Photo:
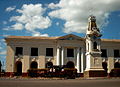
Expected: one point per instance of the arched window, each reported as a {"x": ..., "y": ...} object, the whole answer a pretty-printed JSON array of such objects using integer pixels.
[
  {"x": 18, "y": 66},
  {"x": 49, "y": 65},
  {"x": 95, "y": 45},
  {"x": 70, "y": 64},
  {"x": 117, "y": 65},
  {"x": 34, "y": 65}
]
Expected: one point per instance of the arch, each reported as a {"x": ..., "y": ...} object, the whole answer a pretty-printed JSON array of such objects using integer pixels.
[
  {"x": 70, "y": 64},
  {"x": 49, "y": 65},
  {"x": 104, "y": 65},
  {"x": 34, "y": 65},
  {"x": 95, "y": 45},
  {"x": 117, "y": 65},
  {"x": 18, "y": 66}
]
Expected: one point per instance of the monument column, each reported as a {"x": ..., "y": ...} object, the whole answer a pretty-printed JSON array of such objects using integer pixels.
[
  {"x": 78, "y": 60},
  {"x": 93, "y": 54}
]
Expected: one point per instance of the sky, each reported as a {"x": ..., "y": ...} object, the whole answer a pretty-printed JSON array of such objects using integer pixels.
[{"x": 51, "y": 18}]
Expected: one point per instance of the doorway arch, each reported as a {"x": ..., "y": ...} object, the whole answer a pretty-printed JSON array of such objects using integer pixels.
[
  {"x": 104, "y": 65},
  {"x": 18, "y": 66},
  {"x": 117, "y": 65},
  {"x": 70, "y": 64},
  {"x": 49, "y": 65},
  {"x": 34, "y": 65}
]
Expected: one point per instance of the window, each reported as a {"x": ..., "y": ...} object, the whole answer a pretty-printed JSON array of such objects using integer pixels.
[
  {"x": 70, "y": 52},
  {"x": 34, "y": 51},
  {"x": 104, "y": 53},
  {"x": 19, "y": 51},
  {"x": 49, "y": 51},
  {"x": 116, "y": 53},
  {"x": 95, "y": 45}
]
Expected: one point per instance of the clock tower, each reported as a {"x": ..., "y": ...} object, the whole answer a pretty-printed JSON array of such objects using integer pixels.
[{"x": 93, "y": 50}]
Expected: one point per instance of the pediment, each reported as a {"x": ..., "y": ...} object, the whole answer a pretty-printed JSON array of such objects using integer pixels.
[{"x": 70, "y": 37}]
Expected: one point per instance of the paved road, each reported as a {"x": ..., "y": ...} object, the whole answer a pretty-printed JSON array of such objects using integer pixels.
[{"x": 60, "y": 83}]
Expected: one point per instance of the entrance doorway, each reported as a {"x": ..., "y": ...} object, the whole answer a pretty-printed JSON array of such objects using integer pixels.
[
  {"x": 70, "y": 64},
  {"x": 34, "y": 65},
  {"x": 49, "y": 65},
  {"x": 18, "y": 68}
]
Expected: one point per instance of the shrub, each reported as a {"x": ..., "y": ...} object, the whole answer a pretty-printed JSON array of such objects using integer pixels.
[{"x": 115, "y": 72}]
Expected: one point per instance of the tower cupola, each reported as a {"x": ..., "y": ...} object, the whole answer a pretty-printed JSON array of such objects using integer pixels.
[{"x": 92, "y": 27}]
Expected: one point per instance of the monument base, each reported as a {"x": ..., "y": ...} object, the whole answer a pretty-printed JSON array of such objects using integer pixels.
[{"x": 95, "y": 73}]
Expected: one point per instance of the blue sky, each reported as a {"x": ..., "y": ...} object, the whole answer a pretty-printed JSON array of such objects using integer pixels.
[{"x": 56, "y": 18}]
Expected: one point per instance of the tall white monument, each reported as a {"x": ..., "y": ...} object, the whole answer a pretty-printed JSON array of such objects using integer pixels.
[{"x": 93, "y": 50}]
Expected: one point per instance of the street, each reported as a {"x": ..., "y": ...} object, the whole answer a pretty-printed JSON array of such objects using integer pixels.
[{"x": 60, "y": 83}]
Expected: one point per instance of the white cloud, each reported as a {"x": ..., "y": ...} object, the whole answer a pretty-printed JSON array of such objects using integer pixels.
[
  {"x": 76, "y": 12},
  {"x": 6, "y": 28},
  {"x": 39, "y": 34},
  {"x": 9, "y": 9},
  {"x": 52, "y": 6},
  {"x": 31, "y": 18},
  {"x": 17, "y": 26},
  {"x": 0, "y": 48},
  {"x": 57, "y": 23},
  {"x": 3, "y": 52},
  {"x": 5, "y": 35},
  {"x": 4, "y": 22},
  {"x": 2, "y": 40}
]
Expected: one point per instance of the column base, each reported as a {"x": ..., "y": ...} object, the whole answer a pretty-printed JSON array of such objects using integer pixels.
[{"x": 95, "y": 73}]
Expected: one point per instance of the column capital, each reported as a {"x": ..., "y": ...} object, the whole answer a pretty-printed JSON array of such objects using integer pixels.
[
  {"x": 78, "y": 48},
  {"x": 58, "y": 46}
]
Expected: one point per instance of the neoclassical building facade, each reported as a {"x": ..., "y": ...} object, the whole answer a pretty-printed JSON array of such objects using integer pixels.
[{"x": 86, "y": 54}]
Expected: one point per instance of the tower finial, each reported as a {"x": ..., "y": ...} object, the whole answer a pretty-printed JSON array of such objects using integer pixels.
[
  {"x": 92, "y": 26},
  {"x": 92, "y": 18},
  {"x": 92, "y": 22}
]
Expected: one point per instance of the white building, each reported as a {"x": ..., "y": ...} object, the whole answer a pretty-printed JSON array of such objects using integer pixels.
[{"x": 88, "y": 54}]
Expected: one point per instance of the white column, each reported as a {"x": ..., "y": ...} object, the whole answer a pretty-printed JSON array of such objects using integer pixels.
[
  {"x": 78, "y": 60},
  {"x": 90, "y": 45},
  {"x": 82, "y": 60},
  {"x": 110, "y": 64},
  {"x": 62, "y": 59},
  {"x": 58, "y": 56}
]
